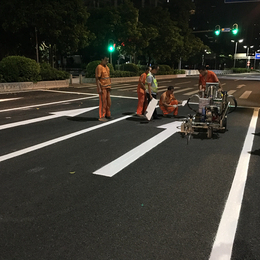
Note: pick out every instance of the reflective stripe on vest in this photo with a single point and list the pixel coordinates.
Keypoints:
(154, 84)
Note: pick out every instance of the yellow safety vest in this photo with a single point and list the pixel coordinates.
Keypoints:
(154, 84)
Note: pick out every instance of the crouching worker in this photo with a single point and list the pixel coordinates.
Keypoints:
(168, 103)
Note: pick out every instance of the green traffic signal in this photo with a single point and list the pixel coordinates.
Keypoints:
(217, 30)
(235, 29)
(111, 48)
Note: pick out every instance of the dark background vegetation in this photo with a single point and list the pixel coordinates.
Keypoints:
(73, 33)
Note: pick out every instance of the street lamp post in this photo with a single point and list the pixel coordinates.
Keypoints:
(236, 50)
(247, 54)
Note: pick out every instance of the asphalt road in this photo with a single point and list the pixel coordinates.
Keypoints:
(168, 203)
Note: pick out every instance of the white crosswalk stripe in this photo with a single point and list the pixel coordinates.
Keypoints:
(241, 86)
(245, 95)
(9, 99)
(181, 83)
(191, 93)
(182, 90)
(231, 92)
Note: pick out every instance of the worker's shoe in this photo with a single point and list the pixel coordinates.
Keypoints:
(109, 117)
(168, 116)
(142, 116)
(103, 119)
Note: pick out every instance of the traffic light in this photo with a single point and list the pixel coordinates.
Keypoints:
(111, 45)
(235, 29)
(217, 30)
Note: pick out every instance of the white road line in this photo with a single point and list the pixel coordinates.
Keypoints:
(241, 86)
(191, 93)
(161, 88)
(123, 84)
(245, 95)
(9, 99)
(160, 81)
(181, 83)
(59, 139)
(182, 90)
(86, 86)
(67, 113)
(91, 94)
(123, 161)
(47, 104)
(64, 101)
(129, 88)
(125, 87)
(222, 247)
(135, 87)
(230, 92)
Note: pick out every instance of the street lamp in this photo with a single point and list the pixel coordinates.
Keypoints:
(236, 50)
(247, 54)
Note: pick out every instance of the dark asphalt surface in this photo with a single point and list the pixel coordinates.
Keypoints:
(165, 205)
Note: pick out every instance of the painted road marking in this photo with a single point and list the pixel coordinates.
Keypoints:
(59, 139)
(93, 96)
(125, 87)
(245, 95)
(9, 99)
(161, 87)
(222, 247)
(182, 90)
(123, 161)
(241, 86)
(47, 104)
(191, 93)
(181, 83)
(69, 113)
(230, 92)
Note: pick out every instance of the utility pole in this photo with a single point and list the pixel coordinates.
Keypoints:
(37, 46)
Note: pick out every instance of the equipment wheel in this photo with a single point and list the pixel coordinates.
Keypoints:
(232, 103)
(193, 103)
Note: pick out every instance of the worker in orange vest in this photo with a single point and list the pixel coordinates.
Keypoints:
(142, 100)
(168, 103)
(103, 82)
(207, 76)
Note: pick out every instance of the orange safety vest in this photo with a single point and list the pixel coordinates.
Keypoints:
(103, 73)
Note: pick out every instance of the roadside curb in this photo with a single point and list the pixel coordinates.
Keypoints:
(23, 86)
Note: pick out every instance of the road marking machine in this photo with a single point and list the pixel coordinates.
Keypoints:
(211, 108)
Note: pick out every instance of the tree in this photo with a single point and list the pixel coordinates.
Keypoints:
(168, 36)
(60, 24)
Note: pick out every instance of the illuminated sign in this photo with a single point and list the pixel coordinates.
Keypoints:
(257, 56)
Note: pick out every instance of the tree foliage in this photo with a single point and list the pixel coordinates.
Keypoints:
(161, 33)
(60, 23)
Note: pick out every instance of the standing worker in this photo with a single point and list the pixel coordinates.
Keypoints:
(207, 76)
(142, 100)
(168, 103)
(103, 82)
(151, 86)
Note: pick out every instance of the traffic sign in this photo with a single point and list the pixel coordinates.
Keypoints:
(225, 30)
(257, 56)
